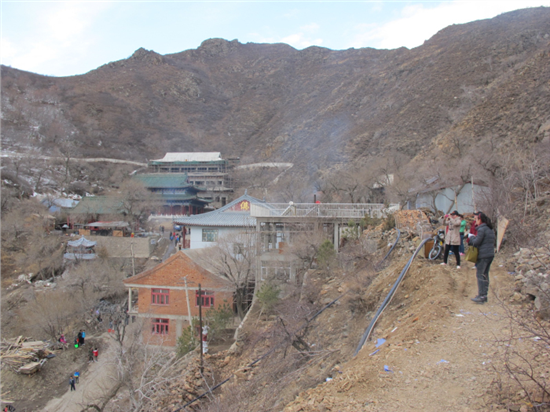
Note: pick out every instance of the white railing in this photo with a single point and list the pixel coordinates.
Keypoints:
(322, 210)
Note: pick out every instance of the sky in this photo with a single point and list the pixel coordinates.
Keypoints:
(65, 38)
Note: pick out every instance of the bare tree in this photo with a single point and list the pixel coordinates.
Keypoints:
(136, 202)
(233, 258)
(50, 313)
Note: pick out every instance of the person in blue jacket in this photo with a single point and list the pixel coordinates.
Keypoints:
(485, 243)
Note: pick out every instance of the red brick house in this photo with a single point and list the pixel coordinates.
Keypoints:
(168, 297)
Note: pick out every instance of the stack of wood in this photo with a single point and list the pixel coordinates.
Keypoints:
(24, 356)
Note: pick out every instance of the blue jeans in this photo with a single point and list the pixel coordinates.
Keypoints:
(482, 274)
(461, 248)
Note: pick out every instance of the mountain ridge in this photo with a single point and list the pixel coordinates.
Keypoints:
(314, 107)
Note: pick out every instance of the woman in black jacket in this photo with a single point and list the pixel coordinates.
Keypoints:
(485, 243)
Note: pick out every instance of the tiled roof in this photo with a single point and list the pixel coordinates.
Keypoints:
(98, 205)
(190, 157)
(163, 180)
(225, 216)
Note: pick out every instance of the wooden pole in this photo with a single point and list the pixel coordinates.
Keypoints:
(200, 323)
(189, 319)
(473, 197)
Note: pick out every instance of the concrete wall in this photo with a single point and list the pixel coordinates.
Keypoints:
(196, 235)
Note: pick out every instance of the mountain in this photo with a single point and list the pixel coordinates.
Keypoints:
(480, 81)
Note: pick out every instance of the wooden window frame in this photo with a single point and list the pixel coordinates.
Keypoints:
(160, 326)
(207, 299)
(160, 297)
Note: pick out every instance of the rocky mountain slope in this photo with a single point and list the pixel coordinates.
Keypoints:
(485, 81)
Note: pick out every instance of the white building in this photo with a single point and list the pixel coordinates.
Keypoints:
(205, 229)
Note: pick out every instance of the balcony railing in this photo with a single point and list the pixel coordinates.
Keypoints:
(322, 210)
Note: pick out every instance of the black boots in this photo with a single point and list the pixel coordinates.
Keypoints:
(479, 299)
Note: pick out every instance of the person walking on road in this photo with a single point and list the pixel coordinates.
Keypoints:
(76, 376)
(95, 354)
(71, 383)
(485, 243)
(90, 355)
(452, 237)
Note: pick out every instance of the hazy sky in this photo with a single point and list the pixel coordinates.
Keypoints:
(72, 37)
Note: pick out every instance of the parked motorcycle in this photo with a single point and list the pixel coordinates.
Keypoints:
(438, 246)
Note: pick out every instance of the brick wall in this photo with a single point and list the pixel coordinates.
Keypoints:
(170, 275)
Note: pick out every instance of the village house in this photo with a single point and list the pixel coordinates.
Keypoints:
(168, 297)
(232, 219)
(279, 226)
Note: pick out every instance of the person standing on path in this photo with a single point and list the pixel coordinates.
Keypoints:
(473, 231)
(90, 355)
(76, 376)
(452, 236)
(95, 354)
(83, 336)
(71, 383)
(485, 243)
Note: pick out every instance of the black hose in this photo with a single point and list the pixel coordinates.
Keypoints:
(391, 249)
(388, 299)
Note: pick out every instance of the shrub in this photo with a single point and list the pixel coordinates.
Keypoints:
(218, 319)
(187, 341)
(389, 223)
(326, 254)
(267, 296)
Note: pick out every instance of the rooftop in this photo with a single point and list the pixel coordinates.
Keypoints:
(190, 157)
(234, 214)
(163, 180)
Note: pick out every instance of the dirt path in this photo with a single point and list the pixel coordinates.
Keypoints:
(439, 351)
(93, 382)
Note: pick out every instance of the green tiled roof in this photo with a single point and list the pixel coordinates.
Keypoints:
(163, 180)
(98, 205)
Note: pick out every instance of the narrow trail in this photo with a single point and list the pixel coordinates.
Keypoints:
(95, 381)
(439, 353)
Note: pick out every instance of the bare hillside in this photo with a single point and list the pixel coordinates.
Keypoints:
(316, 107)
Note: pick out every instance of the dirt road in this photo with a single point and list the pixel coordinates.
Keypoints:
(93, 383)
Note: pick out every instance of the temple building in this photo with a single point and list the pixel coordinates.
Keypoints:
(174, 195)
(205, 170)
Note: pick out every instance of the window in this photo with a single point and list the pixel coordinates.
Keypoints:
(238, 248)
(207, 298)
(209, 235)
(160, 326)
(160, 296)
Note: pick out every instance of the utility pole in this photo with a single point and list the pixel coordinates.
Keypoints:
(200, 323)
(189, 319)
(133, 264)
